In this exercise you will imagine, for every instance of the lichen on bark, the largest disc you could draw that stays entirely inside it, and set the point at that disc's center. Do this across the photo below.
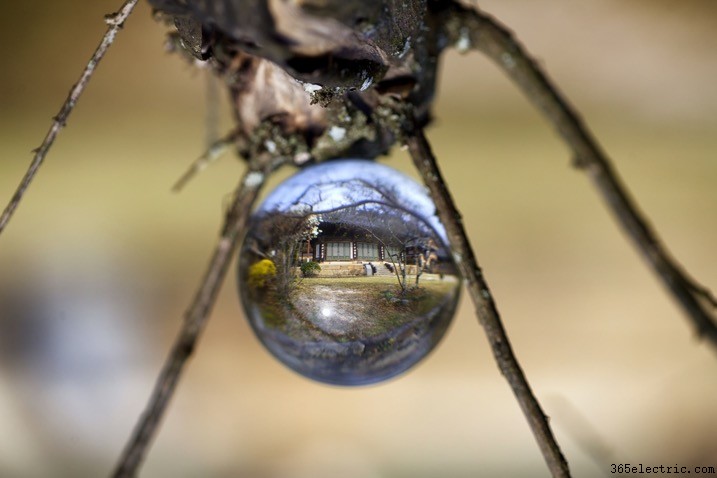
(307, 66)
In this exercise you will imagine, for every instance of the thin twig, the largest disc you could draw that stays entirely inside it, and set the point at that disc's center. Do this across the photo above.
(497, 42)
(194, 322)
(213, 152)
(115, 22)
(485, 306)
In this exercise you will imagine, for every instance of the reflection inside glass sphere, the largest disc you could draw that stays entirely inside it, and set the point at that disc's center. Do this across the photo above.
(345, 275)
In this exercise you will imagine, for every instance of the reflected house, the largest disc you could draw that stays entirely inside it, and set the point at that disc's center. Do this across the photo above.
(344, 327)
(343, 249)
(342, 242)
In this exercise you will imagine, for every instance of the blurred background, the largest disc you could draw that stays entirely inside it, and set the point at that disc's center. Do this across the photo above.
(101, 260)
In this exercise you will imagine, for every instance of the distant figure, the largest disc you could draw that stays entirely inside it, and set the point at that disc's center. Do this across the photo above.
(373, 267)
(388, 266)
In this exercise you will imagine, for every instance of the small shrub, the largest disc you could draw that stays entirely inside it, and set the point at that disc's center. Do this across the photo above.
(310, 269)
(261, 273)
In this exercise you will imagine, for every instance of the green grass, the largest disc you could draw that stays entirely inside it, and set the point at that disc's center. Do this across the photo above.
(369, 283)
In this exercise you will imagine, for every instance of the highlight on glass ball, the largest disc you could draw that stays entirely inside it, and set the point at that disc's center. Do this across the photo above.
(345, 275)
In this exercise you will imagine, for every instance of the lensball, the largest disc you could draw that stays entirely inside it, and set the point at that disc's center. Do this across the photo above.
(345, 275)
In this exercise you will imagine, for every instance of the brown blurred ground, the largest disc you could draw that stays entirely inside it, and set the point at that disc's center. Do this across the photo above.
(101, 260)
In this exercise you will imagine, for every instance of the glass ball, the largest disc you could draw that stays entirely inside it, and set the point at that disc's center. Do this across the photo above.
(345, 275)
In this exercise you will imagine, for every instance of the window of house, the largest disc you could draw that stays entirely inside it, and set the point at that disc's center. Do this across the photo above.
(367, 251)
(338, 250)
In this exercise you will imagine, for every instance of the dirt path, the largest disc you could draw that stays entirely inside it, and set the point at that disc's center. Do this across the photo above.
(337, 310)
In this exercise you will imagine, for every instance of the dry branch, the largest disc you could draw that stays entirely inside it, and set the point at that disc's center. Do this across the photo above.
(486, 309)
(485, 34)
(212, 153)
(115, 22)
(194, 322)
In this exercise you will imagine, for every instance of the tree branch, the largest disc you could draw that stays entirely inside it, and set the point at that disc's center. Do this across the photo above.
(486, 309)
(490, 37)
(194, 322)
(115, 22)
(215, 150)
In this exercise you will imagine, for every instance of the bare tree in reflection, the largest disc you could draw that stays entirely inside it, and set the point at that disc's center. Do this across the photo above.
(278, 236)
(392, 219)
(403, 236)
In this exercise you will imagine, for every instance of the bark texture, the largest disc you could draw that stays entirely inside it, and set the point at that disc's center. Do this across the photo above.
(313, 65)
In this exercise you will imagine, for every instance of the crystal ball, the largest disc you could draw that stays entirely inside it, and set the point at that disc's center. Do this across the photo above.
(345, 275)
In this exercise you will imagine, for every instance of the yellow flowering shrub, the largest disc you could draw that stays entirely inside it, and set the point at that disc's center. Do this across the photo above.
(260, 273)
